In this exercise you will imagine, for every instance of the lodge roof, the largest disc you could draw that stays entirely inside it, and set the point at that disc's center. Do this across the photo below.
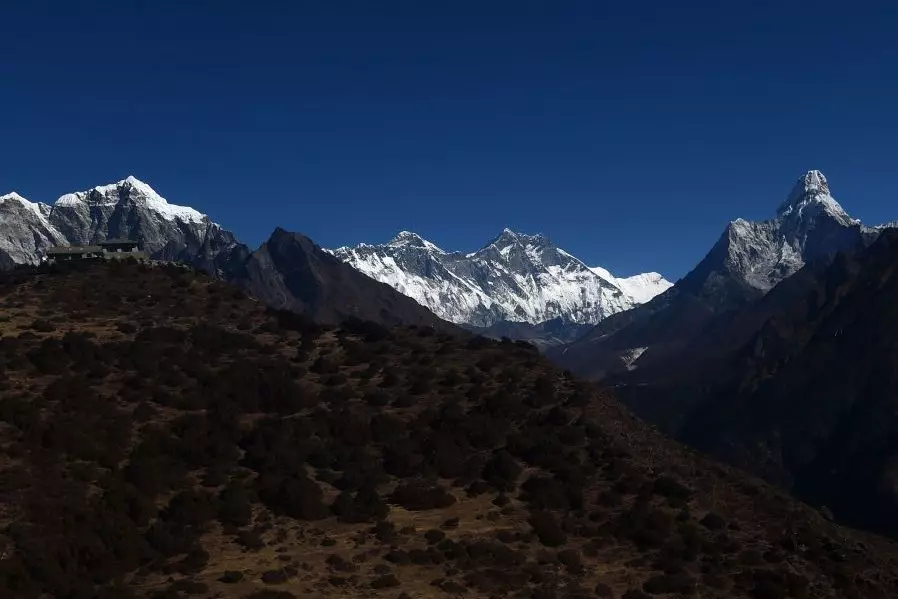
(75, 249)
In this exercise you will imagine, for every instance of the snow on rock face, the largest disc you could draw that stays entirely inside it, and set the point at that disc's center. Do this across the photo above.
(644, 287)
(24, 230)
(127, 209)
(809, 223)
(134, 190)
(132, 209)
(514, 277)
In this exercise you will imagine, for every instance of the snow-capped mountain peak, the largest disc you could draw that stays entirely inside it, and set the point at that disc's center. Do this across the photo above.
(409, 239)
(809, 195)
(808, 224)
(509, 238)
(129, 208)
(42, 211)
(515, 277)
(135, 190)
(12, 196)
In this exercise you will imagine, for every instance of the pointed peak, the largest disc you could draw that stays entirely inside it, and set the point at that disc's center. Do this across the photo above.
(132, 189)
(411, 239)
(812, 191)
(811, 183)
(128, 182)
(407, 237)
(508, 237)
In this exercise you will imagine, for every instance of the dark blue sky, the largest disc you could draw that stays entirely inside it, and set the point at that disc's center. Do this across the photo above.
(630, 132)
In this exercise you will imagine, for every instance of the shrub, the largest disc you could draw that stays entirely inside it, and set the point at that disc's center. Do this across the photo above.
(384, 582)
(546, 528)
(231, 577)
(502, 470)
(712, 521)
(668, 487)
(43, 326)
(570, 558)
(421, 496)
(275, 577)
(434, 536)
(294, 496)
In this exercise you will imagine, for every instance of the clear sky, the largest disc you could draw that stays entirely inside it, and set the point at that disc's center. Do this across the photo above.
(629, 132)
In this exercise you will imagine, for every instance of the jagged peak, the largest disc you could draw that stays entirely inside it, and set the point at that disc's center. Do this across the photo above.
(812, 190)
(39, 209)
(409, 238)
(509, 237)
(13, 196)
(112, 194)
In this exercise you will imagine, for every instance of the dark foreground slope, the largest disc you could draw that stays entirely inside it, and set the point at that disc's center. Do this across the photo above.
(809, 400)
(164, 436)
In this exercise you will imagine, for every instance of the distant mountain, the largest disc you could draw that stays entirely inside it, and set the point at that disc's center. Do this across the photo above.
(747, 261)
(517, 284)
(290, 272)
(127, 209)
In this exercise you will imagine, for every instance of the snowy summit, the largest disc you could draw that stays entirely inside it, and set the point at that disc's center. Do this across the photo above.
(513, 278)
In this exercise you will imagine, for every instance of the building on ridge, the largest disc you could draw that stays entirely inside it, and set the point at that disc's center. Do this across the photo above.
(110, 249)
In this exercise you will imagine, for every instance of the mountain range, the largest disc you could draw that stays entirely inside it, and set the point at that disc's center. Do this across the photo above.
(523, 286)
(518, 285)
(288, 271)
(774, 353)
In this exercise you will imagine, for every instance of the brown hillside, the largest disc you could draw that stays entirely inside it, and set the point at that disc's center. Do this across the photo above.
(164, 436)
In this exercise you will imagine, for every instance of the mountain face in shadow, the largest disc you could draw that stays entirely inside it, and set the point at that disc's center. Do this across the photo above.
(799, 387)
(290, 272)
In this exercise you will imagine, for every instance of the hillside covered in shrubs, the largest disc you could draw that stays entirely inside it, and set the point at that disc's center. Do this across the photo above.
(162, 435)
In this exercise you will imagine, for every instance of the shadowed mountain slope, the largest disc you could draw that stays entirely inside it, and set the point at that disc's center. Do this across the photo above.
(163, 435)
(290, 272)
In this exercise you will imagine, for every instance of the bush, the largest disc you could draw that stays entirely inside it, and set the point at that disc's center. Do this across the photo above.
(234, 506)
(502, 470)
(668, 487)
(712, 521)
(384, 582)
(547, 529)
(421, 496)
(434, 536)
(294, 496)
(275, 577)
(231, 577)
